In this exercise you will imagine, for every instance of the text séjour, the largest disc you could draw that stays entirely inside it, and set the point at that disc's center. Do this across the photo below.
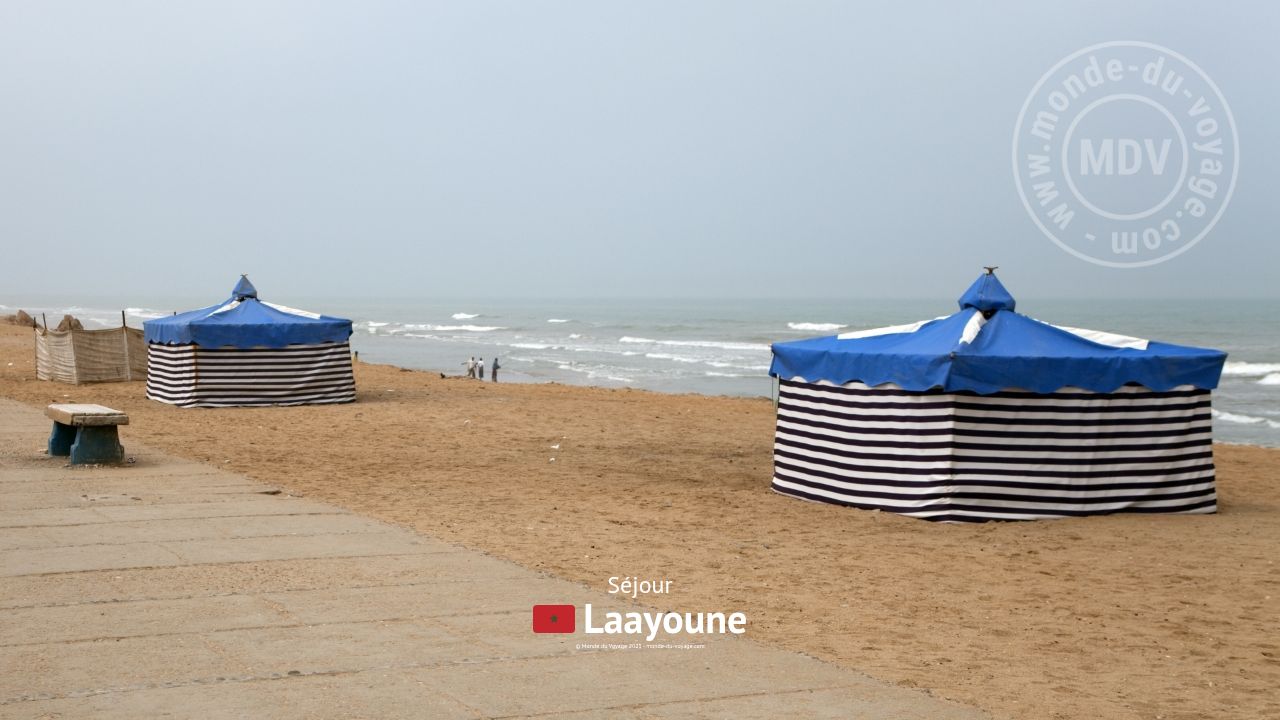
(633, 587)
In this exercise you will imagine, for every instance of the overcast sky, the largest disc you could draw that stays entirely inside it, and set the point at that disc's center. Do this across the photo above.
(577, 149)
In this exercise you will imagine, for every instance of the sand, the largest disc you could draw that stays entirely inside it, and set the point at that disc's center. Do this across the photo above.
(1130, 616)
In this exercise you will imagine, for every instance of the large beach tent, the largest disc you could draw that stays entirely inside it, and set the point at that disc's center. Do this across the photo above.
(248, 352)
(80, 356)
(988, 414)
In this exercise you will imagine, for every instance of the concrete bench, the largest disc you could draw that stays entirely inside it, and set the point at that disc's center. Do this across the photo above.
(87, 433)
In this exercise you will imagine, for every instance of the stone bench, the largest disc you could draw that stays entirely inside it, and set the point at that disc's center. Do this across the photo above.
(87, 433)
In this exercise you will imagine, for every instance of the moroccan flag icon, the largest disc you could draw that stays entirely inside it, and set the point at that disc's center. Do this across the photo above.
(553, 619)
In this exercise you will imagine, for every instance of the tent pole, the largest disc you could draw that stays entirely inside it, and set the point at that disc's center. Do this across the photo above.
(124, 338)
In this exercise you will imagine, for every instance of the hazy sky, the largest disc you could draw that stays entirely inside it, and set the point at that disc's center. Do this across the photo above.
(583, 148)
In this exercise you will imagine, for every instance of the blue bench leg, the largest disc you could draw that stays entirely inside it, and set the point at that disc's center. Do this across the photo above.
(97, 444)
(61, 438)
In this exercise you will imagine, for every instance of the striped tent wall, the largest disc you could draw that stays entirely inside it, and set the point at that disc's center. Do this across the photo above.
(194, 376)
(1007, 456)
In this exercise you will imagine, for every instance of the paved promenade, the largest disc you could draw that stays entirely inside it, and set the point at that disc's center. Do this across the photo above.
(166, 587)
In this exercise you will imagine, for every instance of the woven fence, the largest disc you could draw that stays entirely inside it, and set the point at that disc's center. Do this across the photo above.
(89, 356)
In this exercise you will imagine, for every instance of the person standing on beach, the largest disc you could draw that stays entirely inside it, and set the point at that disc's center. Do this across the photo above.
(471, 366)
(480, 368)
(495, 369)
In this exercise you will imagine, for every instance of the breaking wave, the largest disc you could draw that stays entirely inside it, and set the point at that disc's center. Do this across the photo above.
(1248, 369)
(464, 328)
(816, 327)
(696, 343)
(1244, 419)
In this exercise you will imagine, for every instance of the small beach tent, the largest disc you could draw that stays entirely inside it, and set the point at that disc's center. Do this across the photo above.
(247, 352)
(90, 356)
(991, 415)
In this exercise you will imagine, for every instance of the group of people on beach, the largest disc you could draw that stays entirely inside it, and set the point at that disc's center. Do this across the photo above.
(475, 368)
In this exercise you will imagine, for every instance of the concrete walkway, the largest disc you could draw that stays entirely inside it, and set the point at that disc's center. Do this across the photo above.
(166, 587)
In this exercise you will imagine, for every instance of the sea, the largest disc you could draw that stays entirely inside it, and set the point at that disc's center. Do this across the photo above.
(721, 347)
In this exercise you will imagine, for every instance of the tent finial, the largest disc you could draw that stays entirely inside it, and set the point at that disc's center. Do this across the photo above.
(244, 289)
(991, 269)
(987, 294)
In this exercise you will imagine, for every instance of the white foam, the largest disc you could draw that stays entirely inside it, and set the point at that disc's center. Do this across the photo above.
(557, 320)
(574, 336)
(1244, 419)
(816, 327)
(1248, 369)
(1238, 419)
(145, 313)
(696, 343)
(1272, 379)
(531, 346)
(464, 328)
(675, 358)
(596, 372)
(464, 316)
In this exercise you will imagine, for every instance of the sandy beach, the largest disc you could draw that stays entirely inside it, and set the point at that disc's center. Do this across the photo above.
(1129, 616)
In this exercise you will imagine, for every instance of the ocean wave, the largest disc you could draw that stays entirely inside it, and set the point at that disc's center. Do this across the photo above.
(464, 328)
(1272, 379)
(145, 313)
(531, 346)
(816, 327)
(1244, 419)
(464, 316)
(1249, 369)
(757, 368)
(574, 336)
(674, 358)
(695, 343)
(599, 372)
(558, 320)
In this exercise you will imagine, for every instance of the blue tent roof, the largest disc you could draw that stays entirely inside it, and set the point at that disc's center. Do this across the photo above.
(987, 347)
(245, 321)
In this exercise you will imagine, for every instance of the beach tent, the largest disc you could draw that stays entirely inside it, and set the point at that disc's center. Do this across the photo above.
(988, 414)
(247, 352)
(87, 356)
